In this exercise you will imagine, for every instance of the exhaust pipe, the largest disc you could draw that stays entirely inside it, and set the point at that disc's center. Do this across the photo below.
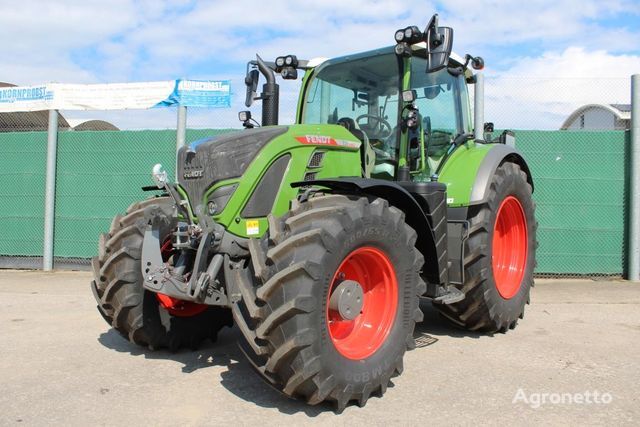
(270, 95)
(478, 108)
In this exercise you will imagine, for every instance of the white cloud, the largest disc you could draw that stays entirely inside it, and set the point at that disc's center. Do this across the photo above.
(39, 37)
(540, 92)
(125, 40)
(157, 39)
(545, 22)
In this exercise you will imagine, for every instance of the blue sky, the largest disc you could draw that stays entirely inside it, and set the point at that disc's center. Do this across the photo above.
(92, 41)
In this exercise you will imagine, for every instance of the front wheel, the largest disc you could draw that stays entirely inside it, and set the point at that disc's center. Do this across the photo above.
(146, 318)
(336, 299)
(499, 256)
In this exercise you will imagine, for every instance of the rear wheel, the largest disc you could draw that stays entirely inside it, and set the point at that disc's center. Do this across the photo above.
(144, 317)
(499, 256)
(336, 299)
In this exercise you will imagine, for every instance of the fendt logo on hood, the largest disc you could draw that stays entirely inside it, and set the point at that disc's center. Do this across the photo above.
(193, 168)
(327, 140)
(193, 174)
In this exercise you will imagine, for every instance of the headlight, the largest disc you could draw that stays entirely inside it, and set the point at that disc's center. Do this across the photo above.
(159, 176)
(291, 61)
(217, 201)
(244, 116)
(403, 49)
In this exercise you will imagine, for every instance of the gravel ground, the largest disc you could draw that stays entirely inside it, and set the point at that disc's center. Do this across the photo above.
(573, 360)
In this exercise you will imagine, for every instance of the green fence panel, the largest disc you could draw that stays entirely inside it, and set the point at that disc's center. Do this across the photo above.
(579, 182)
(100, 174)
(22, 173)
(579, 190)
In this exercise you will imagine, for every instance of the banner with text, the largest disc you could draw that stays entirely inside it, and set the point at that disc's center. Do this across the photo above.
(116, 96)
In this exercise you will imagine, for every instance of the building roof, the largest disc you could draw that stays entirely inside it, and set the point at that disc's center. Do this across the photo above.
(621, 111)
(626, 108)
(91, 124)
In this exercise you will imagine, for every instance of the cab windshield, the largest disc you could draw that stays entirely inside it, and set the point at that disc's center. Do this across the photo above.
(360, 94)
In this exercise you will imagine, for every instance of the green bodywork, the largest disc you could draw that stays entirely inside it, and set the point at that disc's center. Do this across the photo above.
(338, 161)
(457, 169)
(460, 170)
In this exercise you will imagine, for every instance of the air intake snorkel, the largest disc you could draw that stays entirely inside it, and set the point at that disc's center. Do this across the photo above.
(270, 95)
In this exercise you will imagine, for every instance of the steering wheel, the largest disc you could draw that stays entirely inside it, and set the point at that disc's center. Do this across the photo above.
(386, 127)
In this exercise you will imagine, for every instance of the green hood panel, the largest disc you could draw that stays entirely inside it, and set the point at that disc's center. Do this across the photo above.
(340, 157)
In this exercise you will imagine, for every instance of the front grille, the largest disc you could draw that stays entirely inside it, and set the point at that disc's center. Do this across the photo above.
(316, 159)
(220, 158)
(309, 176)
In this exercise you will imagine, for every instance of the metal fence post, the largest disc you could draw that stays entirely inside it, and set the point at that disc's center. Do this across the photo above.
(634, 188)
(181, 133)
(478, 108)
(50, 190)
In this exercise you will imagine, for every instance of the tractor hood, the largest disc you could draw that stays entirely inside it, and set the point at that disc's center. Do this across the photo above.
(205, 162)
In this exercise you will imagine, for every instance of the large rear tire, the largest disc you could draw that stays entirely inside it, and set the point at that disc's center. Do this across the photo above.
(140, 315)
(499, 256)
(298, 340)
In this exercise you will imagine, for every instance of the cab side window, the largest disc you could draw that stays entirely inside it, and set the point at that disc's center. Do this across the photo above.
(439, 104)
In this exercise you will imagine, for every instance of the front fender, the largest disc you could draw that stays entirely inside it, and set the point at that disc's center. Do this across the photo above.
(435, 266)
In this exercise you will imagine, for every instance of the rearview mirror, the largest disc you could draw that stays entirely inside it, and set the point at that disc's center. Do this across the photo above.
(251, 80)
(431, 92)
(439, 44)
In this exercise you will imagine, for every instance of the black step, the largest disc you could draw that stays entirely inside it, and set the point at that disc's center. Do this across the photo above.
(451, 295)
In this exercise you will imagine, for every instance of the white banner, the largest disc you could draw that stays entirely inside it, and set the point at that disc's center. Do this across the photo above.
(116, 96)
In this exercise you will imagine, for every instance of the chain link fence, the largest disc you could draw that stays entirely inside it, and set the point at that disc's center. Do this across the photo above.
(581, 175)
(22, 172)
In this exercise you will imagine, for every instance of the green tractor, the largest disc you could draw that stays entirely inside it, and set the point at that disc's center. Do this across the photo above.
(319, 239)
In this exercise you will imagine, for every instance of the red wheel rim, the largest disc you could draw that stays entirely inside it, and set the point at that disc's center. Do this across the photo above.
(175, 306)
(359, 338)
(510, 247)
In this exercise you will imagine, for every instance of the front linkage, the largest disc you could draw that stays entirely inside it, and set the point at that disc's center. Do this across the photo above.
(191, 277)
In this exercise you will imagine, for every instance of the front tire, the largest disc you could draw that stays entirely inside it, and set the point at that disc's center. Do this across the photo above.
(141, 316)
(300, 342)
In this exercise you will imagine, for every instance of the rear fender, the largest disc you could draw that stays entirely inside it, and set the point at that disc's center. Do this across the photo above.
(469, 170)
(498, 155)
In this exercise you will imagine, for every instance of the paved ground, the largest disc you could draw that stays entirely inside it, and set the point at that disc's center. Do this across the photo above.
(61, 364)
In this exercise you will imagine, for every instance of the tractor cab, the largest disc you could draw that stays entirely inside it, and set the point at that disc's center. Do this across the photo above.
(364, 93)
(408, 104)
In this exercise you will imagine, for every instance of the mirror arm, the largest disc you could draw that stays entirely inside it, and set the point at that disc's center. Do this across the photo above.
(431, 33)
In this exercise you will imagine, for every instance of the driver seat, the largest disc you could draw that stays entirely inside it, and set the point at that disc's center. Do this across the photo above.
(367, 155)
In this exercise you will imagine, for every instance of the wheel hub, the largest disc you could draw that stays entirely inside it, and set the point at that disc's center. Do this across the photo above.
(347, 299)
(362, 302)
